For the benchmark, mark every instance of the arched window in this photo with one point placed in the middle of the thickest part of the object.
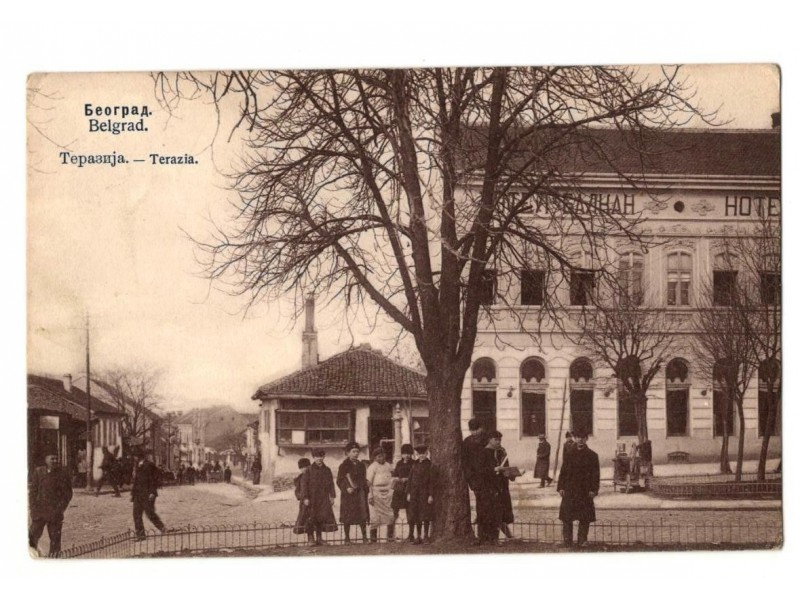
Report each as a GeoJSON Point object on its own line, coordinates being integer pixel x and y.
{"type": "Point", "coordinates": [484, 392]}
{"type": "Point", "coordinates": [533, 388]}
{"type": "Point", "coordinates": [677, 384]}
{"type": "Point", "coordinates": [679, 278]}
{"type": "Point", "coordinates": [769, 378]}
{"type": "Point", "coordinates": [581, 396]}
{"type": "Point", "coordinates": [724, 378]}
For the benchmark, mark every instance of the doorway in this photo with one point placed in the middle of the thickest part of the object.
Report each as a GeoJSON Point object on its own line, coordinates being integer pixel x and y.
{"type": "Point", "coordinates": [381, 433]}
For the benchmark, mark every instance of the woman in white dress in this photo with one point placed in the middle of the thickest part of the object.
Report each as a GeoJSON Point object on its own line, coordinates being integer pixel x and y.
{"type": "Point", "coordinates": [379, 479]}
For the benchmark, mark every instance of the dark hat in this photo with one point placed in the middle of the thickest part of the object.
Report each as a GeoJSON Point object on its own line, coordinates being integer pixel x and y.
{"type": "Point", "coordinates": [542, 436]}
{"type": "Point", "coordinates": [569, 434]}
{"type": "Point", "coordinates": [580, 433]}
{"type": "Point", "coordinates": [317, 452]}
{"type": "Point", "coordinates": [377, 451]}
{"type": "Point", "coordinates": [494, 435]}
{"type": "Point", "coordinates": [350, 446]}
{"type": "Point", "coordinates": [475, 424]}
{"type": "Point", "coordinates": [406, 449]}
{"type": "Point", "coordinates": [303, 463]}
{"type": "Point", "coordinates": [421, 449]}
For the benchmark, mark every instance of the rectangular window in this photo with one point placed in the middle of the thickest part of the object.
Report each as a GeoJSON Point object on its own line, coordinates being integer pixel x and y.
{"type": "Point", "coordinates": [488, 287]}
{"type": "Point", "coordinates": [626, 415]}
{"type": "Point", "coordinates": [533, 414]}
{"type": "Point", "coordinates": [770, 288]}
{"type": "Point", "coordinates": [581, 409]}
{"type": "Point", "coordinates": [532, 288]}
{"type": "Point", "coordinates": [720, 413]}
{"type": "Point", "coordinates": [484, 407]}
{"type": "Point", "coordinates": [581, 288]}
{"type": "Point", "coordinates": [679, 275]}
{"type": "Point", "coordinates": [304, 428]}
{"type": "Point", "coordinates": [677, 413]}
{"type": "Point", "coordinates": [631, 269]}
{"type": "Point", "coordinates": [724, 288]}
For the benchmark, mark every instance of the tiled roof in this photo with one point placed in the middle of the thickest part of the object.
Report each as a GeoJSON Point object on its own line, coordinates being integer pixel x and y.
{"type": "Point", "coordinates": [42, 399]}
{"type": "Point", "coordinates": [675, 152]}
{"type": "Point", "coordinates": [55, 387]}
{"type": "Point", "coordinates": [359, 371]}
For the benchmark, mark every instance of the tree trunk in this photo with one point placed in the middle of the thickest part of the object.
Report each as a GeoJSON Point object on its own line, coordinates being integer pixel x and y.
{"type": "Point", "coordinates": [769, 427]}
{"type": "Point", "coordinates": [641, 418]}
{"type": "Point", "coordinates": [724, 461]}
{"type": "Point", "coordinates": [740, 448]}
{"type": "Point", "coordinates": [453, 516]}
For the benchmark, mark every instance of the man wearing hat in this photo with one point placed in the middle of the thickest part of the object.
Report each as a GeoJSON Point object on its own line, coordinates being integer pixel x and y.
{"type": "Point", "coordinates": [144, 493]}
{"type": "Point", "coordinates": [49, 495]}
{"type": "Point", "coordinates": [352, 481]}
{"type": "Point", "coordinates": [542, 468]}
{"type": "Point", "coordinates": [401, 473]}
{"type": "Point", "coordinates": [578, 484]}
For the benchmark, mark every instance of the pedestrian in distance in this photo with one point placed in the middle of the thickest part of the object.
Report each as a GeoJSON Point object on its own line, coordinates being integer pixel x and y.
{"type": "Point", "coordinates": [401, 473]}
{"type": "Point", "coordinates": [110, 473]}
{"type": "Point", "coordinates": [578, 484]}
{"type": "Point", "coordinates": [257, 469]}
{"type": "Point", "coordinates": [191, 474]}
{"type": "Point", "coordinates": [143, 495]}
{"type": "Point", "coordinates": [421, 491]}
{"type": "Point", "coordinates": [49, 494]}
{"type": "Point", "coordinates": [542, 468]}
{"type": "Point", "coordinates": [352, 481]}
{"type": "Point", "coordinates": [226, 474]}
{"type": "Point", "coordinates": [379, 480]}
{"type": "Point", "coordinates": [318, 495]}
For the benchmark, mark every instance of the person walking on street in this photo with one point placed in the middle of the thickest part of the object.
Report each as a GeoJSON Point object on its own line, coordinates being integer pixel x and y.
{"type": "Point", "coordinates": [379, 480]}
{"type": "Point", "coordinates": [49, 495]}
{"type": "Point", "coordinates": [578, 484]}
{"type": "Point", "coordinates": [352, 481]}
{"type": "Point", "coordinates": [401, 473]}
{"type": "Point", "coordinates": [421, 485]}
{"type": "Point", "coordinates": [257, 469]}
{"type": "Point", "coordinates": [318, 496]}
{"type": "Point", "coordinates": [542, 468]}
{"type": "Point", "coordinates": [143, 496]}
{"type": "Point", "coordinates": [110, 469]}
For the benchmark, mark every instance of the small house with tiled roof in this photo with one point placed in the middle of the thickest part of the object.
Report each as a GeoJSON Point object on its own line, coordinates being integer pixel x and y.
{"type": "Point", "coordinates": [57, 412]}
{"type": "Point", "coordinates": [358, 394]}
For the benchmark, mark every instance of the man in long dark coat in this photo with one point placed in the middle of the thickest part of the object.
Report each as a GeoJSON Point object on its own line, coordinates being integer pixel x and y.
{"type": "Point", "coordinates": [352, 481]}
{"type": "Point", "coordinates": [487, 491]}
{"type": "Point", "coordinates": [542, 468]}
{"type": "Point", "coordinates": [318, 495]}
{"type": "Point", "coordinates": [578, 484]}
{"type": "Point", "coordinates": [143, 495]}
{"type": "Point", "coordinates": [471, 449]}
{"type": "Point", "coordinates": [49, 495]}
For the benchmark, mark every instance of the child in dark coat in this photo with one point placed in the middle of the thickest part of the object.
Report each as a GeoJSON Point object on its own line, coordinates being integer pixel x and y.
{"type": "Point", "coordinates": [318, 496]}
{"type": "Point", "coordinates": [301, 492]}
{"type": "Point", "coordinates": [352, 481]}
{"type": "Point", "coordinates": [402, 471]}
{"type": "Point", "coordinates": [420, 488]}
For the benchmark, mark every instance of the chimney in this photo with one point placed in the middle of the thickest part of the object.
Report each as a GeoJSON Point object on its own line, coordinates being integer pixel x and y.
{"type": "Point", "coordinates": [310, 355]}
{"type": "Point", "coordinates": [776, 120]}
{"type": "Point", "coordinates": [68, 383]}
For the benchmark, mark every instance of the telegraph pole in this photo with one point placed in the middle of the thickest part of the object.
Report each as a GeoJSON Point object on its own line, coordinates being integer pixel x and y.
{"type": "Point", "coordinates": [89, 449]}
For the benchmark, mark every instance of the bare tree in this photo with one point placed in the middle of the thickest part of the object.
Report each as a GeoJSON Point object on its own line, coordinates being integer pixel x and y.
{"type": "Point", "coordinates": [630, 337]}
{"type": "Point", "coordinates": [403, 191]}
{"type": "Point", "coordinates": [724, 347]}
{"type": "Point", "coordinates": [230, 440]}
{"type": "Point", "coordinates": [134, 391]}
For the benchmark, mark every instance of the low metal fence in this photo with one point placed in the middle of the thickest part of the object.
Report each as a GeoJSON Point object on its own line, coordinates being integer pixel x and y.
{"type": "Point", "coordinates": [717, 486]}
{"type": "Point", "coordinates": [640, 533]}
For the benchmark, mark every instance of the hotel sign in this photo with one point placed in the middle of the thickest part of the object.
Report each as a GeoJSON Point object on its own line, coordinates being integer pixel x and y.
{"type": "Point", "coordinates": [756, 206]}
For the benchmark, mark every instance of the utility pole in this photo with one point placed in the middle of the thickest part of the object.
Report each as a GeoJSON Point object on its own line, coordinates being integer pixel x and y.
{"type": "Point", "coordinates": [169, 440]}
{"type": "Point", "coordinates": [89, 449]}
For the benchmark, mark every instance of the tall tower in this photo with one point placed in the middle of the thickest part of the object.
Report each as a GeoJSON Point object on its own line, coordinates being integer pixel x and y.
{"type": "Point", "coordinates": [310, 355]}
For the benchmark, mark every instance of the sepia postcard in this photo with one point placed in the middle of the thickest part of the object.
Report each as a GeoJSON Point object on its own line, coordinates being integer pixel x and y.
{"type": "Point", "coordinates": [404, 311]}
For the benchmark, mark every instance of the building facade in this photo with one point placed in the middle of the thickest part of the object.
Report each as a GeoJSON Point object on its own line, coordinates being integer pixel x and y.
{"type": "Point", "coordinates": [710, 186]}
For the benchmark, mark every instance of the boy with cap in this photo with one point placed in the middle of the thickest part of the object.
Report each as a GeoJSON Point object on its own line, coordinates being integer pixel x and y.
{"type": "Point", "coordinates": [318, 496]}
{"type": "Point", "coordinates": [401, 473]}
{"type": "Point", "coordinates": [420, 489]}
{"type": "Point", "coordinates": [352, 481]}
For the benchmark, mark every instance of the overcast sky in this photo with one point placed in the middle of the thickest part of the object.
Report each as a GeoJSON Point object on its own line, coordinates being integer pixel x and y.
{"type": "Point", "coordinates": [111, 241]}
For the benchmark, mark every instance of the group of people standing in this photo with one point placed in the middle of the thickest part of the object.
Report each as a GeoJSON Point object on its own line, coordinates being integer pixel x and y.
{"type": "Point", "coordinates": [190, 474]}
{"type": "Point", "coordinates": [488, 473]}
{"type": "Point", "coordinates": [371, 494]}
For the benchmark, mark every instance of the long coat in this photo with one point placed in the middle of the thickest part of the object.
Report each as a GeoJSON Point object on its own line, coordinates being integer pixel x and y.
{"type": "Point", "coordinates": [354, 509]}
{"type": "Point", "coordinates": [317, 487]}
{"type": "Point", "coordinates": [579, 476]}
{"type": "Point", "coordinates": [471, 450]}
{"type": "Point", "coordinates": [505, 510]}
{"type": "Point", "coordinates": [300, 492]}
{"type": "Point", "coordinates": [402, 470]}
{"type": "Point", "coordinates": [487, 494]}
{"type": "Point", "coordinates": [145, 481]}
{"type": "Point", "coordinates": [421, 484]}
{"type": "Point", "coordinates": [49, 493]}
{"type": "Point", "coordinates": [541, 469]}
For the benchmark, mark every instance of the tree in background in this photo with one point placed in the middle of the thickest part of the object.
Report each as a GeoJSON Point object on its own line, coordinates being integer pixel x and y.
{"type": "Point", "coordinates": [134, 391]}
